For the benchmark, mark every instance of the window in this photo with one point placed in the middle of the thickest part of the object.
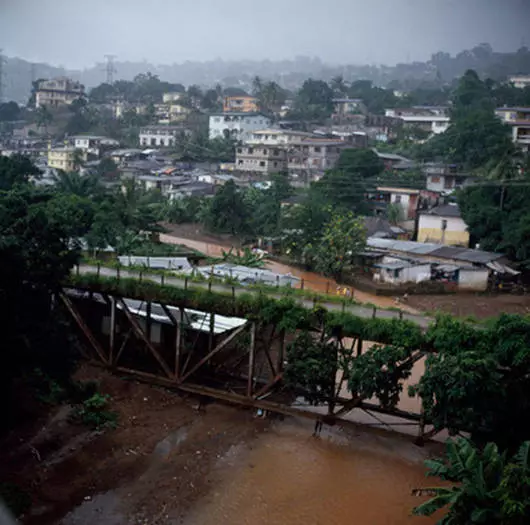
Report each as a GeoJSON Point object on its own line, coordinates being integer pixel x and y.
{"type": "Point", "coordinates": [239, 150]}
{"type": "Point", "coordinates": [250, 151]}
{"type": "Point", "coordinates": [240, 162]}
{"type": "Point", "coordinates": [276, 152]}
{"type": "Point", "coordinates": [262, 164]}
{"type": "Point", "coordinates": [317, 149]}
{"type": "Point", "coordinates": [265, 152]}
{"type": "Point", "coordinates": [398, 199]}
{"type": "Point", "coordinates": [435, 179]}
{"type": "Point", "coordinates": [153, 142]}
{"type": "Point", "coordinates": [162, 143]}
{"type": "Point", "coordinates": [275, 164]}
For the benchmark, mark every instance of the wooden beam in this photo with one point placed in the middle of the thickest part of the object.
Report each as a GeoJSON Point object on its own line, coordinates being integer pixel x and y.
{"type": "Point", "coordinates": [268, 386]}
{"type": "Point", "coordinates": [251, 357]}
{"type": "Point", "coordinates": [122, 347]}
{"type": "Point", "coordinates": [178, 344]}
{"type": "Point", "coordinates": [84, 328]}
{"type": "Point", "coordinates": [214, 351]}
{"type": "Point", "coordinates": [141, 335]}
{"type": "Point", "coordinates": [112, 334]}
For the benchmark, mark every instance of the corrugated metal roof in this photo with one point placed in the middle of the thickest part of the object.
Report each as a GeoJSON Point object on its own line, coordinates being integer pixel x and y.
{"type": "Point", "coordinates": [448, 252]}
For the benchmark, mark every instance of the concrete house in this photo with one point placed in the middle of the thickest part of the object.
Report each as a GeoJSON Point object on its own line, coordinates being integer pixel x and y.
{"type": "Point", "coordinates": [164, 136]}
{"type": "Point", "coordinates": [241, 104]}
{"type": "Point", "coordinates": [443, 225]}
{"type": "Point", "coordinates": [237, 125]}
{"type": "Point", "coordinates": [518, 118]}
{"type": "Point", "coordinates": [56, 92]}
{"type": "Point", "coordinates": [433, 119]}
{"type": "Point", "coordinates": [444, 178]}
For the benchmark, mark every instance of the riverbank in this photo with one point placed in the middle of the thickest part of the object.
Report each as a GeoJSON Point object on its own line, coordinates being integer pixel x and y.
{"type": "Point", "coordinates": [168, 463]}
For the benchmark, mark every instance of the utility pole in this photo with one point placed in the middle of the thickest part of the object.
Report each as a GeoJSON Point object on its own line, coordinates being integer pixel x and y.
{"type": "Point", "coordinates": [110, 68]}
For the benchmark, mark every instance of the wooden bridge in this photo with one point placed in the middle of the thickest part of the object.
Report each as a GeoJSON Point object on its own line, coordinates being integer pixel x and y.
{"type": "Point", "coordinates": [233, 359]}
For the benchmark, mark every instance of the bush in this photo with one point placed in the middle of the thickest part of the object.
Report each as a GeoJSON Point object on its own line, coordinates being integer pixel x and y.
{"type": "Point", "coordinates": [94, 412]}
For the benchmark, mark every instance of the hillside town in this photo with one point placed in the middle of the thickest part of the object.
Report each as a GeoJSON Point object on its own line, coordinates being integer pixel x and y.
{"type": "Point", "coordinates": [266, 290]}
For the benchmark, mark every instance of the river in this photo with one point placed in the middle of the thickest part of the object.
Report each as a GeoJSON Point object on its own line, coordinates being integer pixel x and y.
{"type": "Point", "coordinates": [312, 280]}
{"type": "Point", "coordinates": [291, 478]}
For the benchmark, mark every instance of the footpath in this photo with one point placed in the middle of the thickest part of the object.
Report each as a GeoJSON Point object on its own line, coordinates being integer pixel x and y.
{"type": "Point", "coordinates": [320, 299]}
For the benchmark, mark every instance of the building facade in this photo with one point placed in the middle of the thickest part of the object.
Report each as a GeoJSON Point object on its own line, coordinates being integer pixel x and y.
{"type": "Point", "coordinates": [443, 225]}
{"type": "Point", "coordinates": [65, 158]}
{"type": "Point", "coordinates": [444, 178]}
{"type": "Point", "coordinates": [161, 136]}
{"type": "Point", "coordinates": [241, 104]}
{"type": "Point", "coordinates": [58, 92]}
{"type": "Point", "coordinates": [518, 118]}
{"type": "Point", "coordinates": [93, 144]}
{"type": "Point", "coordinates": [433, 119]}
{"type": "Point", "coordinates": [237, 126]}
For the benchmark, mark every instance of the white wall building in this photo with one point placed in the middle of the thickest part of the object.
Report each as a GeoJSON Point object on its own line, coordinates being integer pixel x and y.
{"type": "Point", "coordinates": [162, 136]}
{"type": "Point", "coordinates": [443, 225]}
{"type": "Point", "coordinates": [93, 144]}
{"type": "Point", "coordinates": [433, 119]}
{"type": "Point", "coordinates": [519, 120]}
{"type": "Point", "coordinates": [238, 126]}
{"type": "Point", "coordinates": [520, 81]}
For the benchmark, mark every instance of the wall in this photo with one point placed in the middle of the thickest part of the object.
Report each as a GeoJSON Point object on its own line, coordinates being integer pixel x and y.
{"type": "Point", "coordinates": [473, 280]}
{"type": "Point", "coordinates": [240, 128]}
{"type": "Point", "coordinates": [430, 230]}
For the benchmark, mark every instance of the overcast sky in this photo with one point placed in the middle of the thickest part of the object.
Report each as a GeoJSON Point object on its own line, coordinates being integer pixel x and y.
{"type": "Point", "coordinates": [76, 33]}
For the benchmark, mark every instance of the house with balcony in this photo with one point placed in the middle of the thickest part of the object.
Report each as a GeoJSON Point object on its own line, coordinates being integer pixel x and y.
{"type": "Point", "coordinates": [240, 104]}
{"type": "Point", "coordinates": [57, 92]}
{"type": "Point", "coordinates": [266, 150]}
{"type": "Point", "coordinates": [309, 158]}
{"type": "Point", "coordinates": [433, 119]}
{"type": "Point", "coordinates": [65, 158]}
{"type": "Point", "coordinates": [94, 144]}
{"type": "Point", "coordinates": [237, 125]}
{"type": "Point", "coordinates": [518, 118]}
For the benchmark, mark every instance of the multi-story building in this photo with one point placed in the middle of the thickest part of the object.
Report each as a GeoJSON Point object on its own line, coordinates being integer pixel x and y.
{"type": "Point", "coordinates": [170, 98]}
{"type": "Point", "coordinates": [240, 104]}
{"type": "Point", "coordinates": [306, 156]}
{"type": "Point", "coordinates": [65, 158]}
{"type": "Point", "coordinates": [238, 126]}
{"type": "Point", "coordinates": [519, 120]}
{"type": "Point", "coordinates": [433, 119]}
{"type": "Point", "coordinates": [58, 92]}
{"type": "Point", "coordinates": [164, 136]}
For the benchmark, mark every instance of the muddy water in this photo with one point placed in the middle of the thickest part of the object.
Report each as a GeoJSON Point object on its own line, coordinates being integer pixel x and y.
{"type": "Point", "coordinates": [291, 478]}
{"type": "Point", "coordinates": [312, 281]}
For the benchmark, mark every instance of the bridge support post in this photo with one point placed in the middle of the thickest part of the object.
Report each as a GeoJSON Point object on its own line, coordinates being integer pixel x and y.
{"type": "Point", "coordinates": [251, 358]}
{"type": "Point", "coordinates": [112, 330]}
{"type": "Point", "coordinates": [178, 343]}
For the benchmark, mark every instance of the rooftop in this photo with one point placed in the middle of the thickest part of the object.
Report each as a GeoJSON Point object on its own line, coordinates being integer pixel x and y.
{"type": "Point", "coordinates": [238, 114]}
{"type": "Point", "coordinates": [444, 210]}
{"type": "Point", "coordinates": [344, 100]}
{"type": "Point", "coordinates": [434, 250]}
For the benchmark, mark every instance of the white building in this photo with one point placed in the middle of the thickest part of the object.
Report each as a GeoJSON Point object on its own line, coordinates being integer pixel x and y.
{"type": "Point", "coordinates": [519, 120]}
{"type": "Point", "coordinates": [93, 144]}
{"type": "Point", "coordinates": [397, 271]}
{"type": "Point", "coordinates": [433, 119]}
{"type": "Point", "coordinates": [165, 136]}
{"type": "Point", "coordinates": [238, 126]}
{"type": "Point", "coordinates": [520, 81]}
{"type": "Point", "coordinates": [169, 98]}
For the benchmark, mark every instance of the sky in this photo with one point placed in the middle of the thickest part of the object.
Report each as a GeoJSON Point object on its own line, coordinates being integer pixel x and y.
{"type": "Point", "coordinates": [77, 34]}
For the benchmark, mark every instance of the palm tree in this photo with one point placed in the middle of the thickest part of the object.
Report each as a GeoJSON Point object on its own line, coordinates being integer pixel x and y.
{"type": "Point", "coordinates": [76, 184]}
{"type": "Point", "coordinates": [257, 86]}
{"type": "Point", "coordinates": [489, 490]}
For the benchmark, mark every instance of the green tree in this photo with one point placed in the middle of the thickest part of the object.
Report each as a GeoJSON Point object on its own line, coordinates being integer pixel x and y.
{"type": "Point", "coordinates": [343, 237]}
{"type": "Point", "coordinates": [15, 170]}
{"type": "Point", "coordinates": [43, 118]}
{"type": "Point", "coordinates": [227, 211]}
{"type": "Point", "coordinates": [314, 101]}
{"type": "Point", "coordinates": [9, 111]}
{"type": "Point", "coordinates": [489, 488]}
